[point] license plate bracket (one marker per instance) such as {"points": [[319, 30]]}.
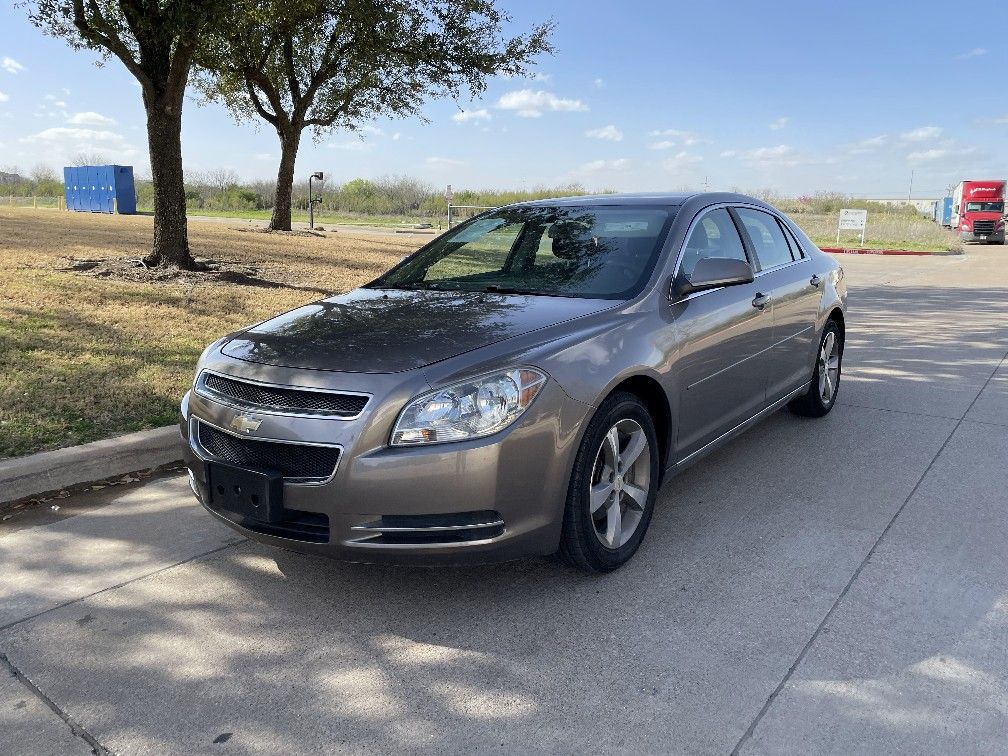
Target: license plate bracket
{"points": [[255, 494]]}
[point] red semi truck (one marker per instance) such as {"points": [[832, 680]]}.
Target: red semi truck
{"points": [[978, 211]]}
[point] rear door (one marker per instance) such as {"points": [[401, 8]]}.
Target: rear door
{"points": [[725, 340], [788, 276]]}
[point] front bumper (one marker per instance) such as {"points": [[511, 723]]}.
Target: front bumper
{"points": [[496, 498], [998, 237]]}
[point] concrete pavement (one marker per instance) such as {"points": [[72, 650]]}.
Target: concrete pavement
{"points": [[833, 585]]}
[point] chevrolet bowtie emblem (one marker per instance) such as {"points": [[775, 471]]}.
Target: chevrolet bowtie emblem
{"points": [[245, 423]]}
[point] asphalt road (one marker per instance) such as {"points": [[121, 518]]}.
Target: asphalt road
{"points": [[836, 585]]}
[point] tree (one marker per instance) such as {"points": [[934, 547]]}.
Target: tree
{"points": [[89, 158], [43, 174], [325, 64], [157, 41]]}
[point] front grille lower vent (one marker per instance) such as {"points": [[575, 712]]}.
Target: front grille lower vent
{"points": [[312, 527], [456, 527], [279, 398], [983, 227], [292, 461]]}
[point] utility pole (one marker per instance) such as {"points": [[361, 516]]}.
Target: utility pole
{"points": [[910, 190]]}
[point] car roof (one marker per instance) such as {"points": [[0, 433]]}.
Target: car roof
{"points": [[660, 199]]}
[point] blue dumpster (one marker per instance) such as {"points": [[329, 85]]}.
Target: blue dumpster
{"points": [[100, 189]]}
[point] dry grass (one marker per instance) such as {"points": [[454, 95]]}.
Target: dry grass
{"points": [[896, 231], [85, 358]]}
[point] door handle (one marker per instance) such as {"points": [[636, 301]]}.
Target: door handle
{"points": [[761, 301], [815, 280]]}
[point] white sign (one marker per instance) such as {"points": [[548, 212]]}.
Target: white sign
{"points": [[449, 195], [852, 220]]}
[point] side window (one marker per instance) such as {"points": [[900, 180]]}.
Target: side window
{"points": [[771, 247], [796, 250], [714, 236]]}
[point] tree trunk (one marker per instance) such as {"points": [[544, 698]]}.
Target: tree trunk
{"points": [[290, 139], [164, 137]]}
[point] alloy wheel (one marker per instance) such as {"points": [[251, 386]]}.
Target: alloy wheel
{"points": [[620, 483], [829, 367]]}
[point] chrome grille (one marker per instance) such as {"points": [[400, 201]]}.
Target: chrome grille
{"points": [[299, 401], [305, 462], [983, 227]]}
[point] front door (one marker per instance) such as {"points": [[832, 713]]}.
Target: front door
{"points": [[726, 335]]}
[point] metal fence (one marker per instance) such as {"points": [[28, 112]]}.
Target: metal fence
{"points": [[14, 200]]}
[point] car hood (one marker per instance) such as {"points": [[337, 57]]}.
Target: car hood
{"points": [[388, 330]]}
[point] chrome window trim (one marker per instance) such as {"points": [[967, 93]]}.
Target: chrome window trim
{"points": [[206, 456], [756, 274], [782, 266], [200, 388], [689, 230]]}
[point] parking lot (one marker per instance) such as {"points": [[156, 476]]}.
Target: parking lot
{"points": [[836, 585]]}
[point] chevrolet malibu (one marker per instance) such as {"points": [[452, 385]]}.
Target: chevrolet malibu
{"points": [[521, 385]]}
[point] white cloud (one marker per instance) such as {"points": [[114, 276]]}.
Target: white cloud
{"points": [[779, 123], [867, 145], [607, 133], [599, 83], [472, 115], [90, 118], [976, 52], [729, 153], [681, 160], [444, 162], [3, 97], [662, 145], [11, 66], [595, 166], [351, 145], [66, 134], [263, 156], [939, 154], [529, 103], [687, 138], [778, 156], [922, 134], [540, 76], [372, 130], [396, 137]]}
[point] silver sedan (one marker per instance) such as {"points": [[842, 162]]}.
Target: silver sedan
{"points": [[523, 384]]}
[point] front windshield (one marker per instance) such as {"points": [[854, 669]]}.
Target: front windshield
{"points": [[985, 207], [603, 252]]}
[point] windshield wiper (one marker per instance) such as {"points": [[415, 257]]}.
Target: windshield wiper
{"points": [[497, 289]]}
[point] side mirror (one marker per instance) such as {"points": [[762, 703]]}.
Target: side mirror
{"points": [[713, 273]]}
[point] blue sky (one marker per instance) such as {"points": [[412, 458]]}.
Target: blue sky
{"points": [[795, 97]]}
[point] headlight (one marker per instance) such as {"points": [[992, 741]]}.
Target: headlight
{"points": [[470, 409]]}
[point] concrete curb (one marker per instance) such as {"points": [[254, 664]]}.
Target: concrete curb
{"points": [[40, 473], [864, 251]]}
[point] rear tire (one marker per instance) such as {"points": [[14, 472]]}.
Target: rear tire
{"points": [[822, 391], [612, 488]]}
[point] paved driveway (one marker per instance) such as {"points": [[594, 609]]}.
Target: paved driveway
{"points": [[816, 586]]}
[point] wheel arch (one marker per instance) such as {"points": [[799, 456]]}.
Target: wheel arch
{"points": [[837, 316], [653, 396]]}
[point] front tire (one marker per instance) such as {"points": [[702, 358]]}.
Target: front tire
{"points": [[613, 486], [822, 391]]}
